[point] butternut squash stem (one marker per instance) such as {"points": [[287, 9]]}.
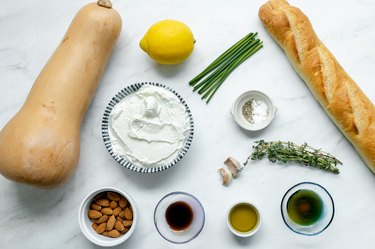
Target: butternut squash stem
{"points": [[105, 3]]}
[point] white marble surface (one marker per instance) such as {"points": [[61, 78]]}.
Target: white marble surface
{"points": [[34, 218]]}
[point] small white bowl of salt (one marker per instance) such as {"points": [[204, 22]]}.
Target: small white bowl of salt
{"points": [[253, 110]]}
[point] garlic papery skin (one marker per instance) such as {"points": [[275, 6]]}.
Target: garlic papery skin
{"points": [[226, 176], [233, 165]]}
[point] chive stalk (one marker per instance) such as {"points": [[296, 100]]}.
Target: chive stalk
{"points": [[221, 58], [241, 58], [212, 77], [251, 52], [230, 60]]}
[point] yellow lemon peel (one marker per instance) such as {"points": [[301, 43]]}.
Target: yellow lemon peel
{"points": [[168, 42]]}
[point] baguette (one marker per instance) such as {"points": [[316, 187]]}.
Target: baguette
{"points": [[344, 102]]}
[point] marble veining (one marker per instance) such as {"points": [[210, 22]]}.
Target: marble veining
{"points": [[38, 218]]}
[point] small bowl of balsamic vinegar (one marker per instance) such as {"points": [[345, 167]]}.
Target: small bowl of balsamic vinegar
{"points": [[307, 208], [179, 217]]}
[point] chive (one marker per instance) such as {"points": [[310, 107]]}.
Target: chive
{"points": [[232, 61], [222, 57], [253, 51], [233, 66], [214, 85], [203, 83], [211, 78], [213, 89], [228, 62]]}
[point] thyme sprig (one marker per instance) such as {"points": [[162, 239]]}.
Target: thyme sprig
{"points": [[288, 152]]}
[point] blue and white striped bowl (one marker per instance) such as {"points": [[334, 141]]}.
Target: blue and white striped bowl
{"points": [[123, 160]]}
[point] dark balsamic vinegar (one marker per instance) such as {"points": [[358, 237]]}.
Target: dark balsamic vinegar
{"points": [[179, 215]]}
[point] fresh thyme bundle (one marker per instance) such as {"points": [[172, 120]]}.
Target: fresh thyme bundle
{"points": [[288, 152], [210, 79], [282, 152]]}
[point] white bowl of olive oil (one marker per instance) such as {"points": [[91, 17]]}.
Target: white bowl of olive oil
{"points": [[243, 219]]}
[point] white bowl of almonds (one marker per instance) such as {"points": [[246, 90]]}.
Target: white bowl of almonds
{"points": [[107, 216]]}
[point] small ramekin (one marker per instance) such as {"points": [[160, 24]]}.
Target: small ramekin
{"points": [[85, 223], [236, 110], [244, 234]]}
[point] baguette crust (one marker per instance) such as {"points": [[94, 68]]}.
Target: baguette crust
{"points": [[344, 102]]}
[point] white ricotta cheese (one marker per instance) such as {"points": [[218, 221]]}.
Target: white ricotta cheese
{"points": [[148, 127]]}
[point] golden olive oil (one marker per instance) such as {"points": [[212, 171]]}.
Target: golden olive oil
{"points": [[243, 217], [305, 207]]}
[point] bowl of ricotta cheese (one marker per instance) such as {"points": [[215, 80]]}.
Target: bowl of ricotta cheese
{"points": [[147, 127]]}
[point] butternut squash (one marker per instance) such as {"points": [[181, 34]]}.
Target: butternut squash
{"points": [[40, 145]]}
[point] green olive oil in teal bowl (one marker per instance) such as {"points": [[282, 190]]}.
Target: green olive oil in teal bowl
{"points": [[307, 208]]}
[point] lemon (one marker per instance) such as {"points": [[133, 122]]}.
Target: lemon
{"points": [[168, 42]]}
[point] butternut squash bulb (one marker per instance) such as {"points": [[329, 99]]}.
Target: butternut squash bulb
{"points": [[40, 145]]}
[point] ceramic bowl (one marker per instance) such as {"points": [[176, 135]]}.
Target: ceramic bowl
{"points": [[325, 218], [238, 116], [192, 231], [253, 230], [122, 160], [86, 224]]}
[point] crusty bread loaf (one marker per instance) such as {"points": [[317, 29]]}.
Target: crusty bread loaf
{"points": [[342, 99]]}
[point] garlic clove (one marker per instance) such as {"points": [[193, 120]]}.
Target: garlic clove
{"points": [[233, 165], [226, 176]]}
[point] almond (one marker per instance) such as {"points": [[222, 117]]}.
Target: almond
{"points": [[125, 230], [119, 226], [102, 219], [119, 219], [107, 211], [113, 196], [94, 225], [93, 214], [102, 195], [123, 202], [111, 222], [128, 214], [113, 233], [117, 211], [95, 207], [102, 202], [101, 228], [128, 223], [113, 204], [122, 214]]}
